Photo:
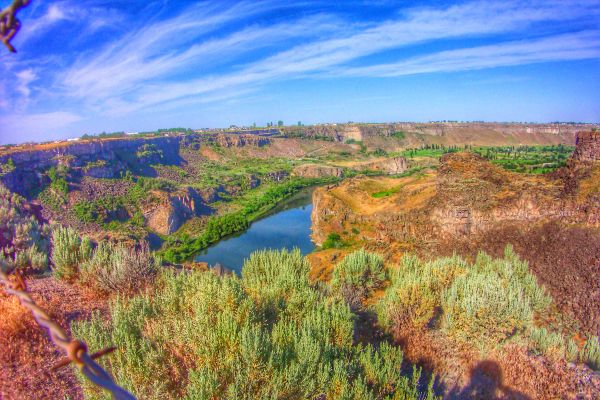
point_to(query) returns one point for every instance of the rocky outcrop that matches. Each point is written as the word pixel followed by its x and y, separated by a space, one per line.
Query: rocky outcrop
pixel 317 171
pixel 168 211
pixel 390 166
pixel 587 147
pixel 467 197
pixel 237 140
pixel 277 176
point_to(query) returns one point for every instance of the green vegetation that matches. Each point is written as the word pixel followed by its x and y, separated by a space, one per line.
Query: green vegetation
pixel 68 252
pixel 386 193
pixel 363 147
pixel 7 167
pixel 24 243
pixel 487 303
pixel 429 150
pixel 149 151
pixel 94 164
pixel 398 135
pixel 357 276
pixel 531 159
pixel 268 335
pixel 58 181
pixel 333 241
pixel 554 344
pixel 100 211
pixel 590 353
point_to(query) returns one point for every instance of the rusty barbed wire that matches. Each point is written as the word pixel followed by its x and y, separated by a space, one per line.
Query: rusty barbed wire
pixel 9 24
pixel 75 350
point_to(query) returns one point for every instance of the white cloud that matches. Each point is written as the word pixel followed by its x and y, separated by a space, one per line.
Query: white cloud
pixel 25 77
pixel 577 46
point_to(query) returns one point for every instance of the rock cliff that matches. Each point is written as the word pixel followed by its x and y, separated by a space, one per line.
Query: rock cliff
pixel 467 196
pixel 96 158
pixel 166 212
pixel 390 166
pixel 449 133
pixel 587 147
pixel 317 171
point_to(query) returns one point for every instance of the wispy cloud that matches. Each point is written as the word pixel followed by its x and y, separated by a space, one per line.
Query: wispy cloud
pixel 576 46
pixel 134 72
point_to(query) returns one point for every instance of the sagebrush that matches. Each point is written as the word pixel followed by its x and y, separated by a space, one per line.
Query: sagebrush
pixel 268 335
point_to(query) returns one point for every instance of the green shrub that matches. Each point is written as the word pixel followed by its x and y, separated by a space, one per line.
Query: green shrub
pixel 58 180
pixel 119 268
pixel 590 353
pixel 25 240
pixel 68 252
pixel 32 259
pixel 554 344
pixel 357 276
pixel 478 307
pixel 399 135
pixel 486 303
pixel 198 336
pixel 333 241
pixel 415 290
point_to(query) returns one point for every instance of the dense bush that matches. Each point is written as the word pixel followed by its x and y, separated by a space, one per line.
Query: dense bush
pixel 100 210
pixel 68 252
pixel 333 241
pixel 416 290
pixel 119 268
pixel 58 181
pixel 23 240
pixel 268 335
pixel 357 276
pixel 486 303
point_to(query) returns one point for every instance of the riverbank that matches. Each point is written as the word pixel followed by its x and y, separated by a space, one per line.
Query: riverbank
pixel 254 205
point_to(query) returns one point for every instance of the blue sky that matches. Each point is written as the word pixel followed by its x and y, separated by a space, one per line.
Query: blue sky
pixel 92 65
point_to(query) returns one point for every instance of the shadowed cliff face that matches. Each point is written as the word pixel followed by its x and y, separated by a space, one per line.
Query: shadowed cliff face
pixel 98 158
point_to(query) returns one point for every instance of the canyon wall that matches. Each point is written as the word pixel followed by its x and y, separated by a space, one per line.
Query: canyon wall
pixel 96 158
pixel 587 147
pixel 449 133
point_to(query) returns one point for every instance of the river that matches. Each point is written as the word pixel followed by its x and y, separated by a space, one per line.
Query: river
pixel 285 226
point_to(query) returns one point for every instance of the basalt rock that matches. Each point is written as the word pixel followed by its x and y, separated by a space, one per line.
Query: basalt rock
pixel 168 211
pixel 391 166
pixel 587 148
pixel 96 158
pixel 317 171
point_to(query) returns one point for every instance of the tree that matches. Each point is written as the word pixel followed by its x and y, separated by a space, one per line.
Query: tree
pixel 280 123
